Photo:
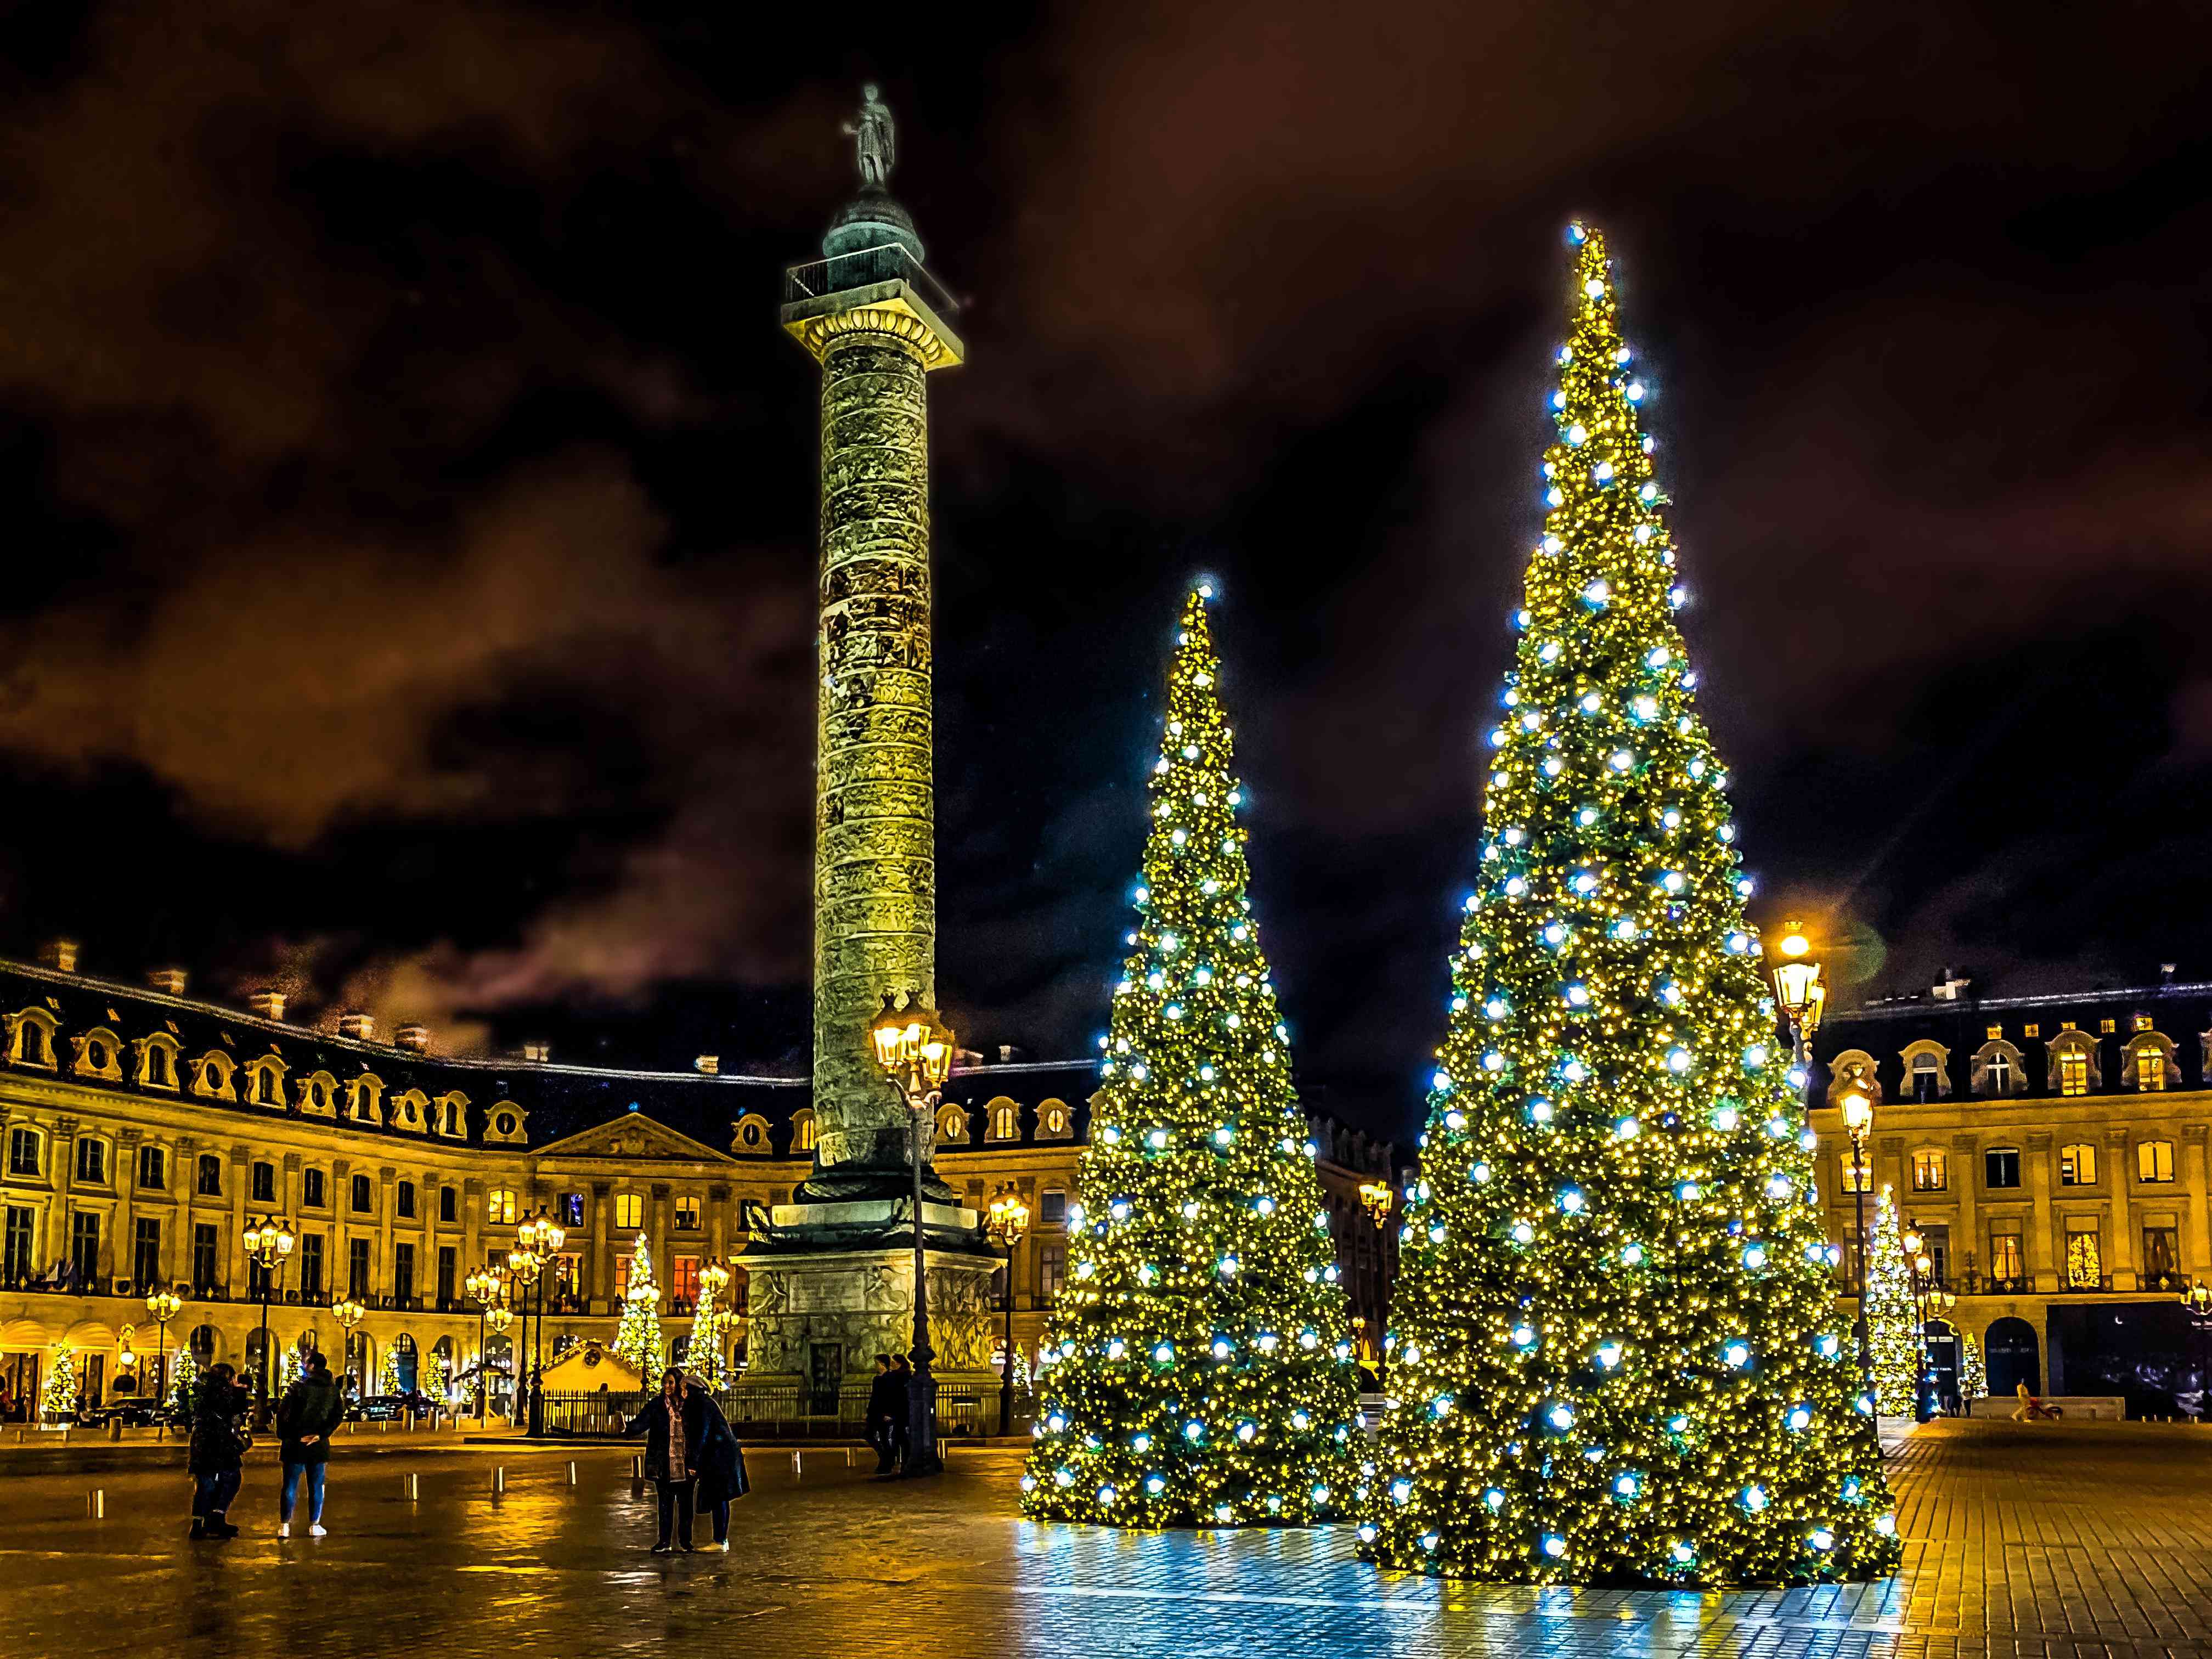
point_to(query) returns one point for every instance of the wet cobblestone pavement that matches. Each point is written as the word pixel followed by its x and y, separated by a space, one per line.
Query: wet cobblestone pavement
pixel 2021 1544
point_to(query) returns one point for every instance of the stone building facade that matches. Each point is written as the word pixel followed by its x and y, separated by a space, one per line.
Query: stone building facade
pixel 2052 1150
pixel 143 1130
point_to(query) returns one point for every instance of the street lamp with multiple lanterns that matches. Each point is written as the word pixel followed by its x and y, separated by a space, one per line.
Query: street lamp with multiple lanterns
pixel 164 1306
pixel 1929 1298
pixel 349 1313
pixel 538 1241
pixel 913 1049
pixel 1008 1220
pixel 2196 1303
pixel 269 1245
pixel 484 1288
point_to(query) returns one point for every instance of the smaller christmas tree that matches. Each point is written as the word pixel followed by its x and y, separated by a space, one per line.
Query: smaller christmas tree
pixel 59 1398
pixel 1888 1310
pixel 387 1371
pixel 1973 1381
pixel 185 1383
pixel 706 1357
pixel 437 1375
pixel 638 1339
pixel 289 1369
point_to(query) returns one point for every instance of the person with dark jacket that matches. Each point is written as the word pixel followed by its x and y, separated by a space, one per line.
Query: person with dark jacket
pixel 218 1446
pixel 722 1469
pixel 674 1425
pixel 311 1410
pixel 883 1410
pixel 902 1402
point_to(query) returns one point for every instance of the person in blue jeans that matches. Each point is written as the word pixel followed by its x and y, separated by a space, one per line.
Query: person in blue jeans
pixel 312 1408
pixel 217 1448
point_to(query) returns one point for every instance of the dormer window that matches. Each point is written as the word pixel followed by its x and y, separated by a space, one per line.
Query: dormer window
pixel 99 1053
pixel 365 1099
pixel 319 1095
pixel 157 1060
pixel 264 1081
pixel 802 1130
pixel 31 1038
pixel 213 1076
pixel 1927 1077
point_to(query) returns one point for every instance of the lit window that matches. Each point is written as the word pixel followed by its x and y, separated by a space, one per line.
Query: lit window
pixel 2154 1160
pixel 2032 1030
pixel 2077 1165
pixel 1996 1074
pixel 629 1212
pixel 802 1132
pixel 2142 1022
pixel 2150 1069
pixel 1993 1032
pixel 499 1206
pixel 2073 1072
pixel 1857 1176
pixel 1929 1174
pixel 1005 1124
pixel 2108 1026
pixel 2085 1256
pixel 687 1216
pixel 2006 1260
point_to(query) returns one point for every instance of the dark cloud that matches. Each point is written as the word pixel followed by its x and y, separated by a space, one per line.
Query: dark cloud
pixel 413 495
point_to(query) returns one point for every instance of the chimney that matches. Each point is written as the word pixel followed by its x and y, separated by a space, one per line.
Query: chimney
pixel 357 1025
pixel 2165 971
pixel 540 1052
pixel 1946 989
pixel 413 1037
pixel 171 980
pixel 60 955
pixel 708 1065
pixel 269 1004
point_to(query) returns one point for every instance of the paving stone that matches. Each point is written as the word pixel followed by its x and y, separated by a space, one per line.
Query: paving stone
pixel 2020 1544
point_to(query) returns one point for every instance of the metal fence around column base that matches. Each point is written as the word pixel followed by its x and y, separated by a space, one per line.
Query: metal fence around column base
pixel 964 1411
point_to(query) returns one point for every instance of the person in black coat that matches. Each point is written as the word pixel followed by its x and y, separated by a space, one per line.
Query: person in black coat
pixel 902 1398
pixel 722 1469
pixel 884 1404
pixel 311 1411
pixel 674 1425
pixel 217 1449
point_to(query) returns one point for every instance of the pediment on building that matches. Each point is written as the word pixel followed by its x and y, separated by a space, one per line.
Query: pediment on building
pixel 633 1138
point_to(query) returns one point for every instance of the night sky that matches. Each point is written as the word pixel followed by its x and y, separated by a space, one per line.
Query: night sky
pixel 411 495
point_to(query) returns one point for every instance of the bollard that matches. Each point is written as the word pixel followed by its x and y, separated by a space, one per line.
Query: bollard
pixel 498 1481
pixel 849 1457
pixel 637 1467
pixel 115 1428
pixel 99 1503
pixel 798 1469
pixel 384 1425
pixel 572 1474
pixel 410 1487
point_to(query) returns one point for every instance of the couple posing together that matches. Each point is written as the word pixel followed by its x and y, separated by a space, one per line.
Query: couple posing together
pixel 693 1459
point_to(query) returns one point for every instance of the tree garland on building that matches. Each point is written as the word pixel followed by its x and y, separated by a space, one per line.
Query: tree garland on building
pixel 1200 1358
pixel 1614 1351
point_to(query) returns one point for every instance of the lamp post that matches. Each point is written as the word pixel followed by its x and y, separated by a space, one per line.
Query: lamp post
pixel 1919 1265
pixel 1008 1220
pixel 524 1268
pixel 914 1051
pixel 164 1306
pixel 349 1313
pixel 496 1319
pixel 2196 1301
pixel 269 1245
pixel 543 1237
pixel 1858 1120
pixel 481 1287
pixel 1377 1197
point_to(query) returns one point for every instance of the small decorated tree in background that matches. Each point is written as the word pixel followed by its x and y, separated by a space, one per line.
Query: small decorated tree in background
pixel 58 1399
pixel 1615 1355
pixel 1973 1380
pixel 387 1370
pixel 706 1357
pixel 435 1375
pixel 1891 1327
pixel 185 1382
pixel 638 1338
pixel 1200 1369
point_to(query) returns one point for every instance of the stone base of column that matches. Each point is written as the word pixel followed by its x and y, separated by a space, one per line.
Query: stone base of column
pixel 829 1286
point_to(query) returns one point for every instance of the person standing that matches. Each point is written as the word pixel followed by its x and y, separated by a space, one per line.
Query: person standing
pixel 901 1397
pixel 674 1424
pixel 219 1441
pixel 882 1410
pixel 722 1469
pixel 311 1410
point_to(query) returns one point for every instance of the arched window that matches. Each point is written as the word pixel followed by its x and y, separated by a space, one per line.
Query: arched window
pixel 31 1037
pixel 2071 1063
pixel 802 1130
pixel 264 1081
pixel 157 1060
pixel 751 1135
pixel 409 1110
pixel 504 1123
pixel 2077 1164
pixel 1002 1120
pixel 2147 1063
pixel 365 1099
pixel 953 1124
pixel 499 1206
pixel 450 1115
pixel 1055 1120
pixel 319 1095
pixel 2154 1160
pixel 1927 1071
pixel 1998 1070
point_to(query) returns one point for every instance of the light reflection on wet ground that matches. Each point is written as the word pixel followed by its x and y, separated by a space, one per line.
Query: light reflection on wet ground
pixel 2019 1543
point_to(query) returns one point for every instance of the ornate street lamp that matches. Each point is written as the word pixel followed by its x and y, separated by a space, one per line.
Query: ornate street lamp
pixel 348 1313
pixel 1798 988
pixel 496 1319
pixel 484 1288
pixel 714 1279
pixel 1377 1197
pixel 1008 1220
pixel 1858 1121
pixel 1921 1267
pixel 541 1238
pixel 269 1245
pixel 913 1049
pixel 524 1265
pixel 164 1306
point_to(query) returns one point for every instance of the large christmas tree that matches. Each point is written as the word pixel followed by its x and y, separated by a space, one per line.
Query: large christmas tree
pixel 1201 1367
pixel 637 1339
pixel 1890 1331
pixel 1615 1353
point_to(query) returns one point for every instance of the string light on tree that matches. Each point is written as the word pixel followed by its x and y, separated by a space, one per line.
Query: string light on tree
pixel 1199 1363
pixel 638 1338
pixel 1892 1326
pixel 1615 1352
